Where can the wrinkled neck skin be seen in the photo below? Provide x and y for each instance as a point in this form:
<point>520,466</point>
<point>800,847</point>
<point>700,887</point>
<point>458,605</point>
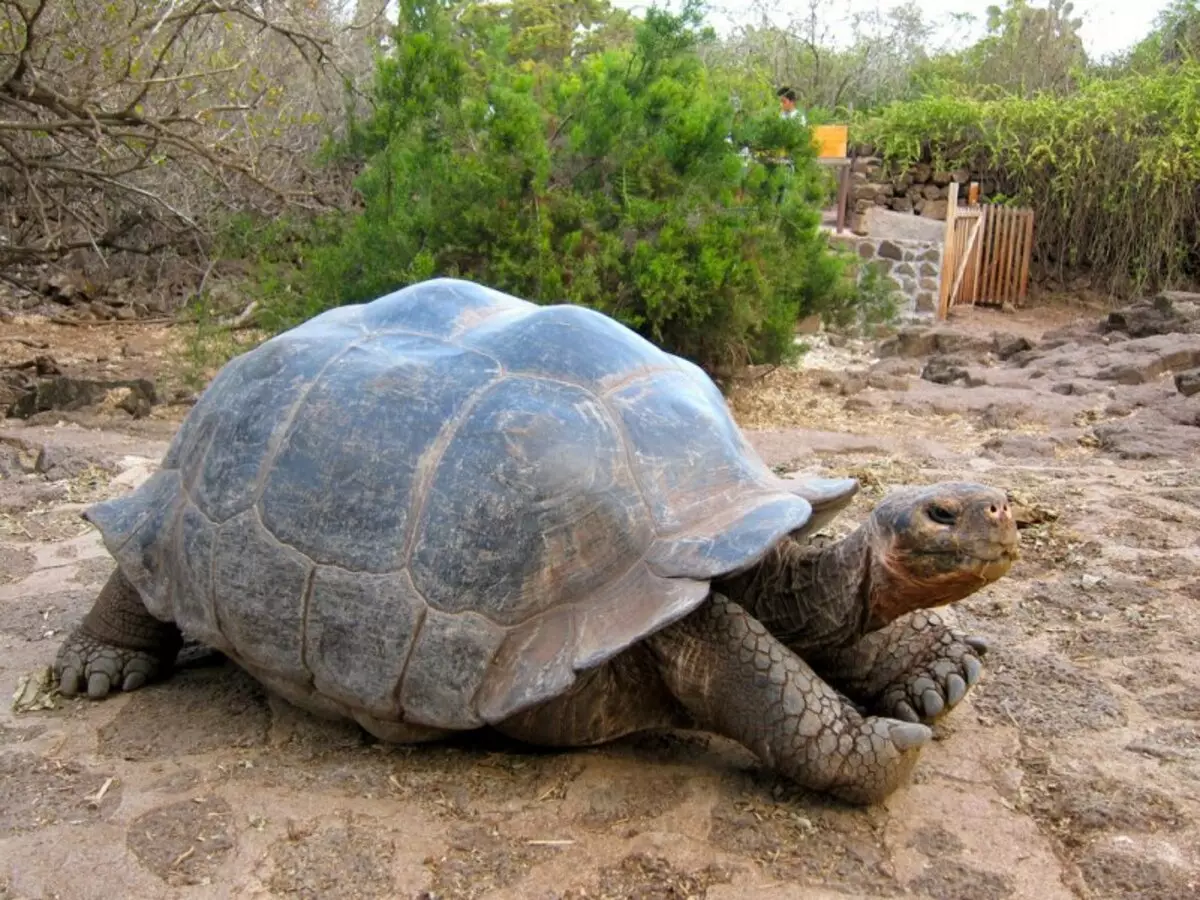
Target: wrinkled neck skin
<point>811,599</point>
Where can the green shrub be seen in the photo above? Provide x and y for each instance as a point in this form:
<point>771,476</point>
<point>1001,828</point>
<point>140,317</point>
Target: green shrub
<point>607,180</point>
<point>1110,170</point>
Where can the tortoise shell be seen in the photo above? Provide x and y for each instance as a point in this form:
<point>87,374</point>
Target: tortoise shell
<point>439,507</point>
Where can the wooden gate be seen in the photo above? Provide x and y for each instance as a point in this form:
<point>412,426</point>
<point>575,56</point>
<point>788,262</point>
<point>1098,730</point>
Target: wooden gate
<point>985,255</point>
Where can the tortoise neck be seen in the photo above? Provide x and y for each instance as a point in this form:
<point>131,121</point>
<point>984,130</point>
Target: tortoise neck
<point>809,599</point>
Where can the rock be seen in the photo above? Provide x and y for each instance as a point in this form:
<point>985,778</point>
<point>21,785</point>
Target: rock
<point>901,204</point>
<point>1143,360</point>
<point>128,400</point>
<point>944,370</point>
<point>10,462</point>
<point>63,392</point>
<point>1008,345</point>
<point>58,463</point>
<point>1188,383</point>
<point>921,172</point>
<point>882,382</point>
<point>935,209</point>
<point>1182,300</point>
<point>851,384</point>
<point>1168,313</point>
<point>1020,446</point>
<point>895,366</point>
<point>862,163</point>
<point>942,178</point>
<point>909,342</point>
<point>1005,415</point>
<point>13,386</point>
<point>917,341</point>
<point>889,250</point>
<point>932,192</point>
<point>950,341</point>
<point>66,287</point>
<point>1138,440</point>
<point>23,496</point>
<point>962,176</point>
<point>863,192</point>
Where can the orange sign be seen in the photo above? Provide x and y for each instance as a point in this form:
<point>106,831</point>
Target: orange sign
<point>831,140</point>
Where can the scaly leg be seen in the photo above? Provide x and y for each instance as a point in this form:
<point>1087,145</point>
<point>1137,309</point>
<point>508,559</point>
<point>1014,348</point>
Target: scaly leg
<point>736,679</point>
<point>119,646</point>
<point>916,668</point>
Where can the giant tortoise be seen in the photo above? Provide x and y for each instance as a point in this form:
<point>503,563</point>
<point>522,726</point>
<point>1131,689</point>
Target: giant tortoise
<point>451,509</point>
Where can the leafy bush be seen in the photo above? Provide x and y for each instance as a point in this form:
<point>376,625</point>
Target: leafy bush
<point>612,180</point>
<point>1111,170</point>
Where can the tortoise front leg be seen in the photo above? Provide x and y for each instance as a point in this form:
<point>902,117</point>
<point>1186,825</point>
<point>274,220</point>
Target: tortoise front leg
<point>916,668</point>
<point>736,679</point>
<point>118,647</point>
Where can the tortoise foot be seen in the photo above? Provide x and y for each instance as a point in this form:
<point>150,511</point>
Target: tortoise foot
<point>882,757</point>
<point>938,680</point>
<point>86,663</point>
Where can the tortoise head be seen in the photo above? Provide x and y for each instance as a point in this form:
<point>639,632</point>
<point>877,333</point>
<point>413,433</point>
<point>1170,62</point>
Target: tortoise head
<point>934,545</point>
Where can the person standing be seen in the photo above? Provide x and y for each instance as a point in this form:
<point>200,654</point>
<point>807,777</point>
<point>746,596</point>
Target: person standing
<point>787,105</point>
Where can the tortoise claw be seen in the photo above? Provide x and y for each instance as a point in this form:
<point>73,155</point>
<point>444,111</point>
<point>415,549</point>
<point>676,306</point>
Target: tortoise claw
<point>932,703</point>
<point>980,645</point>
<point>907,735</point>
<point>973,668</point>
<point>956,689</point>
<point>903,710</point>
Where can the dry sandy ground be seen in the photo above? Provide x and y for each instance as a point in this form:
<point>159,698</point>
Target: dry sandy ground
<point>1072,771</point>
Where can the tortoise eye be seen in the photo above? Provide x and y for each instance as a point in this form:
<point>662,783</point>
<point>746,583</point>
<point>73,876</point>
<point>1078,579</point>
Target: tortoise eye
<point>940,514</point>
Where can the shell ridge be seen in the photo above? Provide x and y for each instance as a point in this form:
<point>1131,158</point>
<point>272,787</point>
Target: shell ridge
<point>309,580</point>
<point>276,443</point>
<point>422,614</point>
<point>428,465</point>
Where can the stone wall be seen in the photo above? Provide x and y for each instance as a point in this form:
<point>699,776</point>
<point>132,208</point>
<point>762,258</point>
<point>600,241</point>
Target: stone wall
<point>920,189</point>
<point>913,267</point>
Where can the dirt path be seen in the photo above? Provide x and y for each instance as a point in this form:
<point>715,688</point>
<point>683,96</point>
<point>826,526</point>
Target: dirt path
<point>1073,770</point>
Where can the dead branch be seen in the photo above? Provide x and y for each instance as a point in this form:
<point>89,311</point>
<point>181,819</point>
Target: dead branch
<point>128,126</point>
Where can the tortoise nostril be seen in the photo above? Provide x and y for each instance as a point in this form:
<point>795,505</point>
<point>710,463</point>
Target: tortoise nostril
<point>994,509</point>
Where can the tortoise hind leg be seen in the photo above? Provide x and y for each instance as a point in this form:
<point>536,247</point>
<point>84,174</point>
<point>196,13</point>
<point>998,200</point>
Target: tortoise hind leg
<point>620,697</point>
<point>738,680</point>
<point>119,645</point>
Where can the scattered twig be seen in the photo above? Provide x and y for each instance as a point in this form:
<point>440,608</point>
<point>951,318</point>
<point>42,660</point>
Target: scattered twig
<point>95,799</point>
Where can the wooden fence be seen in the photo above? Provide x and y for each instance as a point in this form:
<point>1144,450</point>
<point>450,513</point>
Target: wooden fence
<point>985,256</point>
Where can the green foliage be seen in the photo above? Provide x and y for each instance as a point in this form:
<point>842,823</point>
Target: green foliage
<point>1027,50</point>
<point>1111,169</point>
<point>1174,40</point>
<point>603,177</point>
<point>872,68</point>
